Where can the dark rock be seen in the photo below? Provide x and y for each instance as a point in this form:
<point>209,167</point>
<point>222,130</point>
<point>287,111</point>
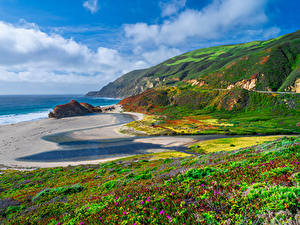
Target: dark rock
<point>90,108</point>
<point>108,108</point>
<point>73,108</point>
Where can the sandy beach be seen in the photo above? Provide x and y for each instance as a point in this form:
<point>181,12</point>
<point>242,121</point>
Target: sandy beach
<point>30,140</point>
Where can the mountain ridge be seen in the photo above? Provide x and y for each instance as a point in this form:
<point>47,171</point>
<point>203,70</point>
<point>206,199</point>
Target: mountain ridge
<point>272,65</point>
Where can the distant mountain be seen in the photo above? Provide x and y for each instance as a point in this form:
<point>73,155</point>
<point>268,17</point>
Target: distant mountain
<point>272,65</point>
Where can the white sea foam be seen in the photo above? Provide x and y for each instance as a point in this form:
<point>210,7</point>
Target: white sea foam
<point>13,118</point>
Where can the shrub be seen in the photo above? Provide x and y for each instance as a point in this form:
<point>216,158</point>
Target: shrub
<point>110,184</point>
<point>276,172</point>
<point>199,173</point>
<point>143,176</point>
<point>276,198</point>
<point>50,193</point>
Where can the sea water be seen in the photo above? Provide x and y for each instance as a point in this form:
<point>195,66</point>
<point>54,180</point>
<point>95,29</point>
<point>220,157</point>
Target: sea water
<point>20,108</point>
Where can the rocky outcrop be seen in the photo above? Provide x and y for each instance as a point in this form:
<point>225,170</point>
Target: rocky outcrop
<point>90,108</point>
<point>108,108</point>
<point>246,84</point>
<point>73,108</point>
<point>195,82</point>
<point>296,87</point>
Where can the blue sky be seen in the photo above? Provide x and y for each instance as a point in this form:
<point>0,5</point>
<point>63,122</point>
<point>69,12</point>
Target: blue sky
<point>59,47</point>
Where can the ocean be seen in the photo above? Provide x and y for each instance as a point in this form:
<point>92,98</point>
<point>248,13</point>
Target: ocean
<point>20,108</point>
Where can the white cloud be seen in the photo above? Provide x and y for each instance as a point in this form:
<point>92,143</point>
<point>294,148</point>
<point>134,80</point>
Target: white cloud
<point>271,32</point>
<point>161,54</point>
<point>211,22</point>
<point>172,7</point>
<point>91,5</point>
<point>30,55</point>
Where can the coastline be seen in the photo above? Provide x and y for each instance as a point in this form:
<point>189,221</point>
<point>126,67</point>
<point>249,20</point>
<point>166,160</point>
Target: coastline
<point>27,138</point>
<point>41,143</point>
<point>90,139</point>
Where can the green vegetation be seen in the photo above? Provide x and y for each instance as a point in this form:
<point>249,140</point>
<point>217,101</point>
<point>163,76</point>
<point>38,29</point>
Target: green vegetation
<point>294,75</point>
<point>253,185</point>
<point>273,63</point>
<point>50,193</point>
<point>229,144</point>
<point>192,110</point>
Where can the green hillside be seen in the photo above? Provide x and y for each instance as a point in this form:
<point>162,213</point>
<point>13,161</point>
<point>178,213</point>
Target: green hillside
<point>193,110</point>
<point>259,65</point>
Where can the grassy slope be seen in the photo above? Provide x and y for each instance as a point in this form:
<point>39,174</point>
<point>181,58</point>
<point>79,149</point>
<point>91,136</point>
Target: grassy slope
<point>192,110</point>
<point>230,144</point>
<point>218,67</point>
<point>254,185</point>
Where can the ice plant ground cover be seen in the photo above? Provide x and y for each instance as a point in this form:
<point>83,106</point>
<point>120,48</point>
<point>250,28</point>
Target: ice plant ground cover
<point>253,185</point>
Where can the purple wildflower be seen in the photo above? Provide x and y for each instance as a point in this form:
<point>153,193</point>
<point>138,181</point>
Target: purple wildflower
<point>161,212</point>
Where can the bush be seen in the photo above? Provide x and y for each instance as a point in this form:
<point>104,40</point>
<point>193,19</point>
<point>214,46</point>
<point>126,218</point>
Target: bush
<point>110,184</point>
<point>50,193</point>
<point>143,176</point>
<point>276,198</point>
<point>199,173</point>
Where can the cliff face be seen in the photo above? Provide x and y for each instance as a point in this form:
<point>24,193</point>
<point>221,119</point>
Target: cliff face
<point>274,64</point>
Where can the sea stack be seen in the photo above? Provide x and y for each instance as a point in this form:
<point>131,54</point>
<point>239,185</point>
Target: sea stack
<point>73,108</point>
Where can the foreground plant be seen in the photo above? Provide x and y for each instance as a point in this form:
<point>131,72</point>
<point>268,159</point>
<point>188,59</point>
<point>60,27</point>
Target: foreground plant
<point>254,185</point>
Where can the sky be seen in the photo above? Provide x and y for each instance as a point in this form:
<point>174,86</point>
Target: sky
<point>72,47</point>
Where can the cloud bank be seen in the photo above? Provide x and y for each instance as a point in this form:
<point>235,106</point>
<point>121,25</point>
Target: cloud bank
<point>30,55</point>
<point>211,22</point>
